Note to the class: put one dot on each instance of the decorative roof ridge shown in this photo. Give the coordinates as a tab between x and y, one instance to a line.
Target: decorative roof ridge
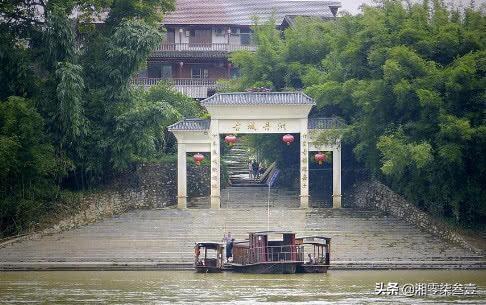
218	98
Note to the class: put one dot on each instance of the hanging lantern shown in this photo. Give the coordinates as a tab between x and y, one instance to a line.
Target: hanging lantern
198	158
230	139
288	138
320	158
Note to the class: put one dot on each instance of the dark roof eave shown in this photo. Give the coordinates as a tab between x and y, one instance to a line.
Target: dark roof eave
233	99
190	125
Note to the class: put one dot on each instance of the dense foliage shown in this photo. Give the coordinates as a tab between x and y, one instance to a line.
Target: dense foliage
410	81
69	118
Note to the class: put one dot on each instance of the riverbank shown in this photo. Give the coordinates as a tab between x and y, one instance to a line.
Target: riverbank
163	239
154	266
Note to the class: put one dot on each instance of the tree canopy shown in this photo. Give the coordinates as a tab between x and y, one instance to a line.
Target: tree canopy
69	118
409	78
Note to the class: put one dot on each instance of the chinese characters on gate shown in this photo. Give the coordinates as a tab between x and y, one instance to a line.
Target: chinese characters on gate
252	126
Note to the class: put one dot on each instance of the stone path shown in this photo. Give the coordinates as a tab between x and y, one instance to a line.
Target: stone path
251	196
152	238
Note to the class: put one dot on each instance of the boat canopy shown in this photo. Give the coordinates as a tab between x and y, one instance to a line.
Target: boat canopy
209	245
271	232
316	240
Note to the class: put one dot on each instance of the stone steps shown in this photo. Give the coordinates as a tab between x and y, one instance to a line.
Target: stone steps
236	160
246	194
168	235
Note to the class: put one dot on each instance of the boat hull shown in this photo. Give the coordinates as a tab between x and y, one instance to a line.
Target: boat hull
206	269
312	268
266	268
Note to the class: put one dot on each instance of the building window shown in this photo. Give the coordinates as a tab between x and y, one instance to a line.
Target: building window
199	72
159	70
246	37
235	31
166	71
219	32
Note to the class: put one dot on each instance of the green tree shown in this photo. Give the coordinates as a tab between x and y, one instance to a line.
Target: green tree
409	78
28	165
79	119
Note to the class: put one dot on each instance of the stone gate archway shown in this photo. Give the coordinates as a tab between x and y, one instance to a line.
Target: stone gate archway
249	113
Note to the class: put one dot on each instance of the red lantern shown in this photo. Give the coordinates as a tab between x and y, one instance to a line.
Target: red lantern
230	139
198	158
320	158
288	138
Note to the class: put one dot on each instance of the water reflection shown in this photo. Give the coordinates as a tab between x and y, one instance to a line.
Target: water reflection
164	287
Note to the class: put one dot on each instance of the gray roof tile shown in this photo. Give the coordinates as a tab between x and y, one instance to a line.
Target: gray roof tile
190	124
258	98
325	123
240	12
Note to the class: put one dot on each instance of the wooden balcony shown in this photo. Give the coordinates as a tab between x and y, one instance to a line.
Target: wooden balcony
193	87
225	47
203	50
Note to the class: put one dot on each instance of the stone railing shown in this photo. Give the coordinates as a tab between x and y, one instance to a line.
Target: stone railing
221	47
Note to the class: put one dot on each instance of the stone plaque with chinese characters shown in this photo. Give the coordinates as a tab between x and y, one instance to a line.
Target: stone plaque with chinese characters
259	126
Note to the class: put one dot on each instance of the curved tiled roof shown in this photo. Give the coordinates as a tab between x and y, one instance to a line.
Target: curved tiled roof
325	123
240	12
190	124
259	98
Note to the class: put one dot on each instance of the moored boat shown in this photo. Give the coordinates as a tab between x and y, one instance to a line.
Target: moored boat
208	261
260	254
319	254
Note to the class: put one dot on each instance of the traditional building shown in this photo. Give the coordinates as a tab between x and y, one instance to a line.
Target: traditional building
255	113
201	34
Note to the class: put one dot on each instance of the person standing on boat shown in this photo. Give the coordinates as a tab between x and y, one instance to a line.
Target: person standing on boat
226	241
227	238
229	249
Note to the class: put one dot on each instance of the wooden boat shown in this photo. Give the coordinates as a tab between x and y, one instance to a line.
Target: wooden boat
319	256
209	262
261	255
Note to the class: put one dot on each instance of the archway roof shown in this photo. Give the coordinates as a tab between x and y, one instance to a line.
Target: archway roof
190	124
258	98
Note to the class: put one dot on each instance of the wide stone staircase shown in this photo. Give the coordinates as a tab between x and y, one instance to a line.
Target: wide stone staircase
165	237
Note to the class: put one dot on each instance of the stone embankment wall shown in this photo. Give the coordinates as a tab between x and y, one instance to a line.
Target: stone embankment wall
374	195
149	186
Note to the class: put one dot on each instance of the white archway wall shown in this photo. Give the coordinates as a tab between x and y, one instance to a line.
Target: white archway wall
304	164
208	142
336	169
215	165
188	142
251	113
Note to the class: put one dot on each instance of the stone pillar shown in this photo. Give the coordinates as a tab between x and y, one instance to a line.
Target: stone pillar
336	176
215	165
181	176
304	165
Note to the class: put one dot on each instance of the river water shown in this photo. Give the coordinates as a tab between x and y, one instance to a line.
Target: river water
186	287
